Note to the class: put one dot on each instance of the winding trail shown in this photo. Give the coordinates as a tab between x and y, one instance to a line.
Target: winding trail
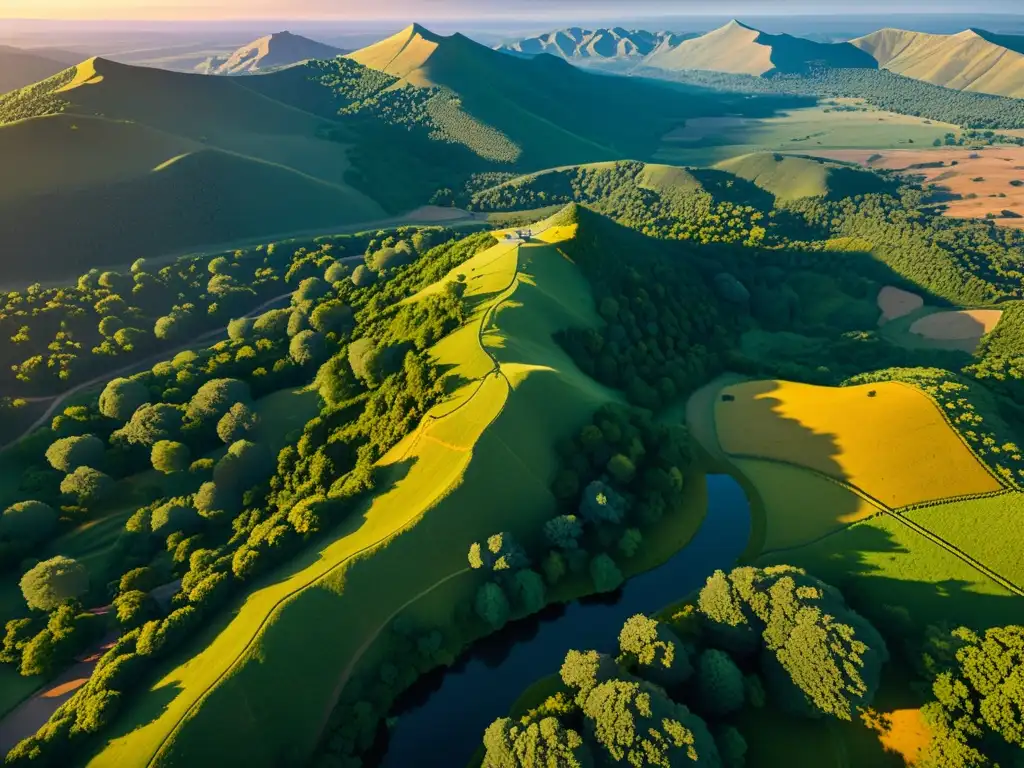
134	367
486	317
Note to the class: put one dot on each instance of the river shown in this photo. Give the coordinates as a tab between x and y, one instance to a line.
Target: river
442	718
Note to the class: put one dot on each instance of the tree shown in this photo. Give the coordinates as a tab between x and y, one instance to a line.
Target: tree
169	457
605	573
174	516
986	681
17	634
331	316
335	380
657	650
110	325
29	522
51	582
134	608
298	322
214	502
88	485
392	258
236	423
720	683
272	324
310	289
215	398
367	361
240	329
69	453
152	423
732	747
564	531
538	744
123	397
491	605
636	724
218	266
362	277
601	504
244	465
582	671
622	469
820	657
528	590
336	272
307	347
144	579
630	541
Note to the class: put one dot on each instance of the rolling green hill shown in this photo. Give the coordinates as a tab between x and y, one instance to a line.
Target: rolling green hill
791	177
739	49
112	162
972	60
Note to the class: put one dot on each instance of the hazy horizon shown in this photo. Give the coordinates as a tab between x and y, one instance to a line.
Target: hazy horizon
463	10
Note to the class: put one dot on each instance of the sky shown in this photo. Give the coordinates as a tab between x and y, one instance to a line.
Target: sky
425	10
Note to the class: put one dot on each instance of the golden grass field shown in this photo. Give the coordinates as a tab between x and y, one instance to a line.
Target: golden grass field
985	174
894	445
895	303
967	325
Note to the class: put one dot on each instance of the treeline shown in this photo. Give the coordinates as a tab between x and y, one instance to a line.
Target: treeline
36	100
673	694
885	90
231	518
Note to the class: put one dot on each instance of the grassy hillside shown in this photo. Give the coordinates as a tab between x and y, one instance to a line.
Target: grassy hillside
739	49
792	177
19	68
113	162
552	112
972	60
481	461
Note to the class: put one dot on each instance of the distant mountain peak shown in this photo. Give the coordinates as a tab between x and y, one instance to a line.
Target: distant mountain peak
278	49
737	24
582	43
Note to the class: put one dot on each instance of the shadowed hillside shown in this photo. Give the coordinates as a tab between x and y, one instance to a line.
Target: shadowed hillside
19	68
739	49
972	60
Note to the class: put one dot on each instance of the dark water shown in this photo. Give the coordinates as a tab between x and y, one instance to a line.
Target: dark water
442	718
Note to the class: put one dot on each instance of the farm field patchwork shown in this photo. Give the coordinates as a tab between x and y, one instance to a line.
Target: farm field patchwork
981	183
985	529
808	130
910	323
889	440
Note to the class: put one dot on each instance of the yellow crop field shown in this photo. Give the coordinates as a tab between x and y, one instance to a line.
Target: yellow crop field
800	506
888	439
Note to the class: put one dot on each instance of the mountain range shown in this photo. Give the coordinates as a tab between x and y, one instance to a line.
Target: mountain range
20	67
972	60
606	43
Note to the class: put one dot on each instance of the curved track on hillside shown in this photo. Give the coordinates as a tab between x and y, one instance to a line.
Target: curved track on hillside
160	751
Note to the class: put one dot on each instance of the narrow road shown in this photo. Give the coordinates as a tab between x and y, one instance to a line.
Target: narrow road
29	716
138	365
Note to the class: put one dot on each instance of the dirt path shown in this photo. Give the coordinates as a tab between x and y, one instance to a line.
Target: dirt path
138	365
29	716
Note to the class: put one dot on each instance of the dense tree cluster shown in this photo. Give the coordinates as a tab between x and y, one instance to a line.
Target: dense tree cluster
666	701
886	90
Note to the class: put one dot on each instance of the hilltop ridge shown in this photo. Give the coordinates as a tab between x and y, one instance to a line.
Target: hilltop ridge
280	49
971	60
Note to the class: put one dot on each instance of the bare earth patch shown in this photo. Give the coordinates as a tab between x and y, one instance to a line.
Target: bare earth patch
988	180
967	325
895	302
902	731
